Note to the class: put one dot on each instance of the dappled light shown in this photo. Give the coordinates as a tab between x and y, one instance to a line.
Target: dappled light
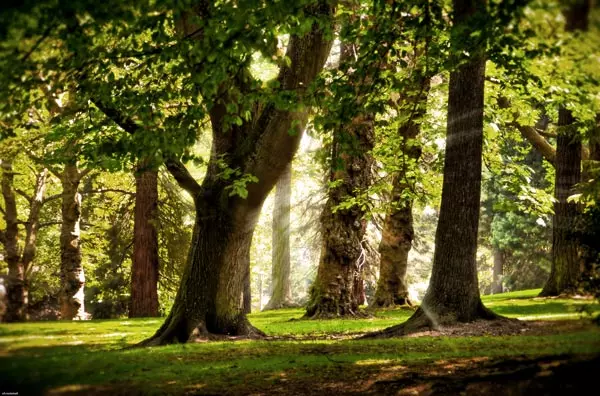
313	197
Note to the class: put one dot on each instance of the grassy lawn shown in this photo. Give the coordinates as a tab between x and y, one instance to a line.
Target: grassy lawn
88	357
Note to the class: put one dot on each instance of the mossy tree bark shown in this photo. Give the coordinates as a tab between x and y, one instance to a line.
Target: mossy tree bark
281	295
566	263
335	291
18	260
208	302
72	277
453	293
398	230
144	270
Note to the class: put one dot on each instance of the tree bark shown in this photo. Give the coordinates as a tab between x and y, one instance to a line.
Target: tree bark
343	230
453	293
72	277
498	270
208	302
398	231
566	264
280	274
19	261
247	294
144	270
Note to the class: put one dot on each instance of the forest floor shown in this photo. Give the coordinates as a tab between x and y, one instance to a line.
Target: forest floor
555	351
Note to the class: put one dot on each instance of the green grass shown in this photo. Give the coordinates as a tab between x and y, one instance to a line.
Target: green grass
84	357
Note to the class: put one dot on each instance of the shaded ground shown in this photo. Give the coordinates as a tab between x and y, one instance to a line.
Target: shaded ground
314	357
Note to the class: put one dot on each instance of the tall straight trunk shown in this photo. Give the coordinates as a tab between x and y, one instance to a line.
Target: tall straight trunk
343	230
398	230
453	292
144	270
280	273
566	263
208	301
71	269
19	261
498	270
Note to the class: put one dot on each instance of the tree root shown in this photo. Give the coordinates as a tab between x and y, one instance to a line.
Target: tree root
174	332
422	321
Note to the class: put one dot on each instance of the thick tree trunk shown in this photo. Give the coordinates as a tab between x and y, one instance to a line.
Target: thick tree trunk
280	275
144	270
343	230
566	264
71	269
209	297
19	262
398	231
453	293
498	270
396	241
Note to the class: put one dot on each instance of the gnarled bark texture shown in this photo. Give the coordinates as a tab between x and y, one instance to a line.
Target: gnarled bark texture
209	298
566	263
453	293
71	298
332	294
281	295
19	261
398	230
144	270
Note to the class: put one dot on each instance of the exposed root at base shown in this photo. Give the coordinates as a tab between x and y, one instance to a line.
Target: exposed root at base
174	335
325	315
486	323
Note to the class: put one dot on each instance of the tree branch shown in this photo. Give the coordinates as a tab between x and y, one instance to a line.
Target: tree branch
23	194
107	190
537	141
183	177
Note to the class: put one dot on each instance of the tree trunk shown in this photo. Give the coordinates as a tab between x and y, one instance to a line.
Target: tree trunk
19	262
498	270
16	292
453	293
566	263
247	294
343	230
280	275
144	270
398	231
71	270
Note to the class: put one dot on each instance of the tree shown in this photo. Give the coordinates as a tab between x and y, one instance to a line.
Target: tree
208	300
144	270
566	264
453	293
343	223
281	295
19	259
398	231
